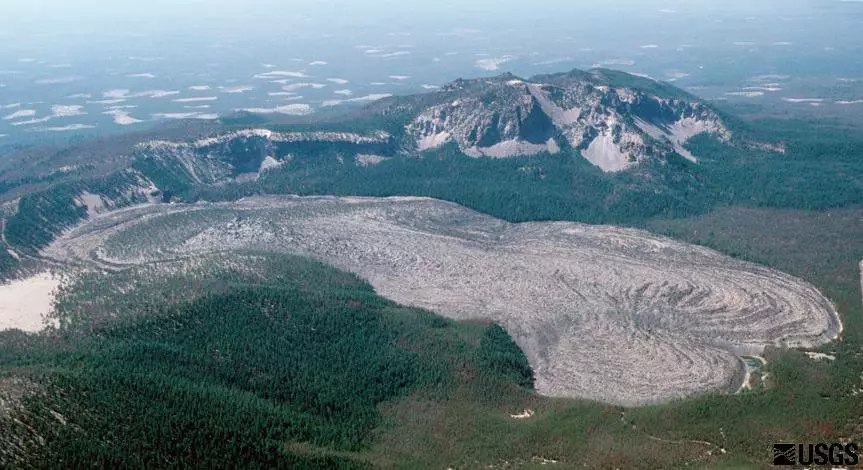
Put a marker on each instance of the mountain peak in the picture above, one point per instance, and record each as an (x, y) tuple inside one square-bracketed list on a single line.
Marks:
[(615, 120)]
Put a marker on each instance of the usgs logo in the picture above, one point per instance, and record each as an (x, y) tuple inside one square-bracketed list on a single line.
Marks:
[(815, 454)]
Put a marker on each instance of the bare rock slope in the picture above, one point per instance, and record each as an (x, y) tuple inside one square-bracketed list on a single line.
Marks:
[(613, 124), (603, 313)]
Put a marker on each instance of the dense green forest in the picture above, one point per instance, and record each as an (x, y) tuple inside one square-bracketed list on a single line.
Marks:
[(40, 215), (819, 174), (449, 387), (236, 371), (279, 361)]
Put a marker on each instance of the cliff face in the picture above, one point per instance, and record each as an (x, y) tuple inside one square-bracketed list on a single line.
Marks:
[(614, 127)]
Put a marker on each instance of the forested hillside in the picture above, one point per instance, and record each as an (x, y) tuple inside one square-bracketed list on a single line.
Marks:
[(234, 368), (374, 151)]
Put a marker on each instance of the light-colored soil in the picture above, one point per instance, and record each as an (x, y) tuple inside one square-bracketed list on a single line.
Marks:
[(603, 313), (25, 303)]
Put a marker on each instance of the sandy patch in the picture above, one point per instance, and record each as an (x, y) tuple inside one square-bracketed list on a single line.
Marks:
[(25, 303)]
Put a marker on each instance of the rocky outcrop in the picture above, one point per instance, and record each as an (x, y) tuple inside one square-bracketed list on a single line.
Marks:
[(614, 127)]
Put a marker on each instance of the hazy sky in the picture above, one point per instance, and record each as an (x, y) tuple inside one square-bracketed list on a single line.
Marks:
[(65, 62), (89, 29), (95, 17)]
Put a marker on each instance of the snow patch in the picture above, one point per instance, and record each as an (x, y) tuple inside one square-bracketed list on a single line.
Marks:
[(803, 100), (123, 94), (290, 109), (195, 100), (57, 111), (235, 90), (22, 113), (300, 86), (746, 94), (202, 116), (280, 74), (610, 62), (107, 102), (122, 118), (69, 128), (57, 80), (362, 99), (60, 110)]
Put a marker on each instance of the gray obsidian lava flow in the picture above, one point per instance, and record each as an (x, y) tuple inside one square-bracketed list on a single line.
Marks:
[(603, 313)]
